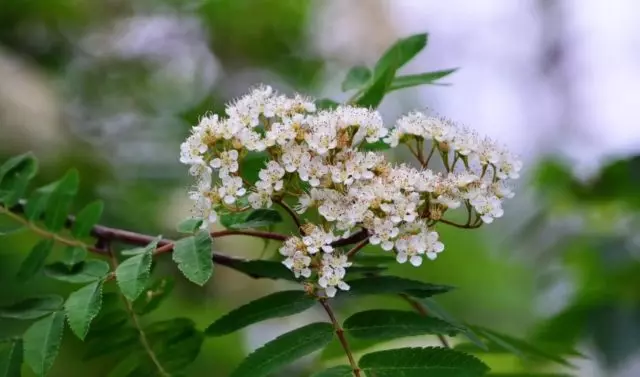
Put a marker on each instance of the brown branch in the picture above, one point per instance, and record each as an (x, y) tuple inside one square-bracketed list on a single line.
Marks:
[(355, 238), (340, 333), (474, 226), (423, 311), (291, 212), (357, 247)]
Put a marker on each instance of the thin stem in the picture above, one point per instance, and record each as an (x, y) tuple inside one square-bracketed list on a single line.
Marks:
[(445, 221), (357, 247), (423, 311), (291, 212), (420, 147), (433, 149), (136, 323), (340, 333)]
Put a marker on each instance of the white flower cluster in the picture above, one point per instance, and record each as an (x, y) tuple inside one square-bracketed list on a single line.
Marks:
[(317, 158)]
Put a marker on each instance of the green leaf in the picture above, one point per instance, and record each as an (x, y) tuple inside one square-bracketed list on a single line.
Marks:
[(517, 346), (408, 81), (189, 225), (262, 269), (154, 296), (12, 229), (326, 104), (11, 358), (279, 304), (37, 202), (74, 255), (337, 371), (32, 308), (434, 309), (36, 259), (391, 324), (357, 77), (395, 285), (524, 374), (132, 275), (193, 256), (15, 175), (251, 165), (420, 362), (59, 203), (87, 218), (284, 350), (400, 54), (372, 96), (42, 342), (82, 307), (254, 219), (84, 272), (377, 146)]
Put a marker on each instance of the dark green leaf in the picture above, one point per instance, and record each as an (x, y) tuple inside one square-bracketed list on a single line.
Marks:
[(517, 346), (38, 201), (12, 229), (279, 304), (524, 374), (408, 81), (59, 202), (337, 371), (32, 308), (262, 269), (84, 272), (357, 77), (284, 350), (123, 341), (154, 296), (252, 164), (435, 310), (189, 225), (74, 255), (15, 175), (326, 104), (36, 259), (193, 256), (82, 306), (421, 362), (87, 218), (132, 274), (373, 95), (391, 324), (254, 219), (42, 342), (400, 54), (395, 285), (175, 350), (11, 358)]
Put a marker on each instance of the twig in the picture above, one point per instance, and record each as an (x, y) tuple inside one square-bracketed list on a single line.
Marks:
[(136, 322), (357, 247), (340, 333), (292, 213), (423, 311), (355, 238), (445, 221)]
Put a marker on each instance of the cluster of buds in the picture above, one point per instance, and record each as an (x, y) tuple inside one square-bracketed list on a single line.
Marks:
[(320, 159)]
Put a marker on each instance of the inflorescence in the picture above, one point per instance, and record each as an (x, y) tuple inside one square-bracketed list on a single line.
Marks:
[(320, 159)]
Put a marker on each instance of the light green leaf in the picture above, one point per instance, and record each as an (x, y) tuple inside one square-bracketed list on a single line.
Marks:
[(193, 256), (395, 285), (87, 218), (408, 81), (189, 225), (254, 219), (82, 306), (32, 308), (84, 272), (15, 175), (279, 304), (284, 350), (377, 146), (435, 310), (374, 94), (132, 274), (42, 342), (36, 259), (420, 362), (326, 104), (356, 78), (38, 202), (337, 371), (59, 203), (11, 358), (399, 54), (391, 324), (74, 255)]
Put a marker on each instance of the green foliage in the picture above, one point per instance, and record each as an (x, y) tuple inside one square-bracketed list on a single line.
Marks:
[(132, 274), (395, 285), (15, 175), (435, 310), (279, 304), (156, 293), (374, 94), (285, 349), (193, 256), (407, 81), (357, 77), (254, 219), (58, 203), (11, 354), (189, 226), (42, 342), (262, 269), (87, 218), (326, 104), (36, 259), (337, 371), (80, 273), (419, 362), (32, 308), (74, 255), (391, 324), (400, 54), (82, 307)]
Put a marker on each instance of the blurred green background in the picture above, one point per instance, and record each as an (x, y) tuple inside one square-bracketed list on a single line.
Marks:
[(111, 87)]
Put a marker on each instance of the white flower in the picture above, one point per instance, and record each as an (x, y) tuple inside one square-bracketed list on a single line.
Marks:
[(299, 264), (319, 240), (271, 176), (488, 207), (231, 189), (226, 163)]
